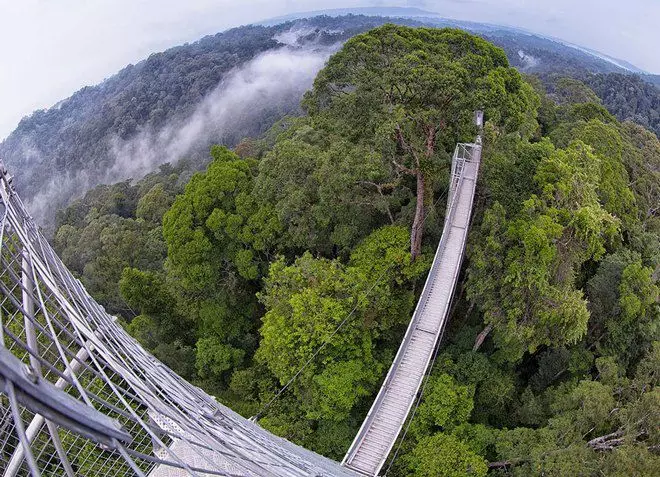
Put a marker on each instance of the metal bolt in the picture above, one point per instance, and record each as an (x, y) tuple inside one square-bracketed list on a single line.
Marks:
[(30, 374)]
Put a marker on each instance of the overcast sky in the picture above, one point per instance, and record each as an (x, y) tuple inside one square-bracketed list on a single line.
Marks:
[(51, 48)]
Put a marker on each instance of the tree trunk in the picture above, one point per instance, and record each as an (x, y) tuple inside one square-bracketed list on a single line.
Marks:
[(481, 337), (420, 208), (418, 223)]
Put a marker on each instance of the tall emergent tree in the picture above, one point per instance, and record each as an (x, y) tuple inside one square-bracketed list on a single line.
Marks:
[(410, 93)]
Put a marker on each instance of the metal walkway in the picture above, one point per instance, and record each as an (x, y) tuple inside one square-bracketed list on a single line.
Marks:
[(389, 411), (80, 397)]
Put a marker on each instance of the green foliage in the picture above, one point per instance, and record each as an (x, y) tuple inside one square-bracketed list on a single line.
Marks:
[(523, 274), (623, 303), (204, 225), (217, 238), (552, 364), (145, 291), (318, 188), (408, 95), (144, 328), (160, 328), (629, 97), (583, 410), (340, 386), (101, 234), (638, 293), (641, 157), (591, 424), (492, 386), (444, 455), (505, 165), (214, 358), (447, 73), (630, 460), (572, 91), (446, 405), (152, 206), (384, 252), (613, 188), (305, 303)]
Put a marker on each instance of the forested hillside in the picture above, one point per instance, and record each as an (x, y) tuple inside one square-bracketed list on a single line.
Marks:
[(105, 133), (175, 104), (629, 98), (235, 275)]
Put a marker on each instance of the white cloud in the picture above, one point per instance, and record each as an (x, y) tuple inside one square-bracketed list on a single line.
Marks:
[(277, 77)]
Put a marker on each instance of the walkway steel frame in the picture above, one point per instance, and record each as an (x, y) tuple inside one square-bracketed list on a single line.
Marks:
[(79, 396), (389, 412)]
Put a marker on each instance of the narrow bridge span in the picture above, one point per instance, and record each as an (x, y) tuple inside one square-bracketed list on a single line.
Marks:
[(389, 411)]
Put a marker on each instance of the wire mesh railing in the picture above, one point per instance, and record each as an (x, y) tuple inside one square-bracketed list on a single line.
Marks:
[(80, 397)]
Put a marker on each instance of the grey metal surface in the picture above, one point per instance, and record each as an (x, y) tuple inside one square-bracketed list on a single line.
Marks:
[(389, 411), (78, 353)]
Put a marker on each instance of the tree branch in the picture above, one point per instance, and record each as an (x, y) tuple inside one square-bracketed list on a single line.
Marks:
[(403, 168), (406, 147), (481, 337), (607, 442), (500, 464), (379, 188)]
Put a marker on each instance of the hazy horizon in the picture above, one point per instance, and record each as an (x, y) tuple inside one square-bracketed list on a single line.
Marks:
[(48, 62)]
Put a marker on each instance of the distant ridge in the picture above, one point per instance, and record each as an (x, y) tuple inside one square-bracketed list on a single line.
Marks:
[(616, 61), (420, 14), (407, 12), (174, 104)]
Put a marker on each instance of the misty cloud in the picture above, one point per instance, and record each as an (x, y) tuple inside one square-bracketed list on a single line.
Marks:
[(529, 61), (275, 79), (271, 84)]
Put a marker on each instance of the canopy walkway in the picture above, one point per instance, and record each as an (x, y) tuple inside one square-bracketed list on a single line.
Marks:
[(389, 411), (96, 403), (83, 398)]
